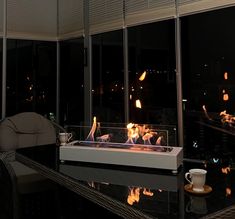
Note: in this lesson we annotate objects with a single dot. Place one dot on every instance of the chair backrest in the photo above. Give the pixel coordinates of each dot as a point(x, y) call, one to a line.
point(25, 130)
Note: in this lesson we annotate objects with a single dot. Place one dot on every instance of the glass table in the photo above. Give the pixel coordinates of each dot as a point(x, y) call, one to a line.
point(137, 192)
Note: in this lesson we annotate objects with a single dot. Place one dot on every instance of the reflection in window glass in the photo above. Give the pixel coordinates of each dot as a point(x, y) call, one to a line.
point(108, 77)
point(209, 82)
point(31, 77)
point(152, 85)
point(72, 81)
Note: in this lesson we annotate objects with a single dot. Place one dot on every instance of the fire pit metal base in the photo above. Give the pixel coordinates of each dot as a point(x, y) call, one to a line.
point(138, 156)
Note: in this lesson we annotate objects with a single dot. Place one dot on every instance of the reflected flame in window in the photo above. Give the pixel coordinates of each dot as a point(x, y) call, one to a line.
point(225, 75)
point(227, 118)
point(226, 170)
point(143, 75)
point(225, 97)
point(228, 191)
point(138, 104)
point(205, 111)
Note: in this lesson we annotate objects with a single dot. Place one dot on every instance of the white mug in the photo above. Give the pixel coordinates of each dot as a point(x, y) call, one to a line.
point(197, 178)
point(64, 137)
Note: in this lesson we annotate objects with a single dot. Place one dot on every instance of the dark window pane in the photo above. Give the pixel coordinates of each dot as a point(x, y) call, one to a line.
point(152, 50)
point(31, 76)
point(107, 77)
point(209, 82)
point(72, 81)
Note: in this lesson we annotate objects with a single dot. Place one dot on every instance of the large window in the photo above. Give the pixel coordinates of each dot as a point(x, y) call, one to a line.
point(152, 84)
point(72, 81)
point(209, 82)
point(108, 77)
point(31, 77)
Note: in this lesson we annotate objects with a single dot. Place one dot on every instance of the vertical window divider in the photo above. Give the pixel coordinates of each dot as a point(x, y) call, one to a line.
point(179, 77)
point(4, 59)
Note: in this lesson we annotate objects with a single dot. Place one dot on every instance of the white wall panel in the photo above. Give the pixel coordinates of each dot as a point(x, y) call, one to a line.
point(105, 15)
point(71, 21)
point(1, 18)
point(142, 11)
point(32, 19)
point(194, 6)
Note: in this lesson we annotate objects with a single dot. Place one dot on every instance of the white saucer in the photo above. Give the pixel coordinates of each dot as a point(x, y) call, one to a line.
point(189, 188)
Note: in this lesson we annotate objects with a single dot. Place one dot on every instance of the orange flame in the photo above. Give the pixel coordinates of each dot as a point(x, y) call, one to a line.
point(143, 129)
point(133, 133)
point(104, 138)
point(147, 138)
point(136, 131)
point(159, 140)
point(90, 136)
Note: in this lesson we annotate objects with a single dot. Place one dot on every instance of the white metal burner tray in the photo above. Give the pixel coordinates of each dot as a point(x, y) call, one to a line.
point(160, 157)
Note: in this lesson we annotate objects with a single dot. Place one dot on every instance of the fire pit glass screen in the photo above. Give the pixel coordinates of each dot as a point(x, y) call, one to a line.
point(144, 137)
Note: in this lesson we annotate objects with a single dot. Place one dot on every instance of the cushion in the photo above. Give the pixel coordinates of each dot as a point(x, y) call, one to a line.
point(26, 130)
point(28, 122)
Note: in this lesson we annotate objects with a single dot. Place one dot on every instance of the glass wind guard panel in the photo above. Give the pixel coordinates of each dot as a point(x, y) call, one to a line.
point(140, 136)
point(137, 145)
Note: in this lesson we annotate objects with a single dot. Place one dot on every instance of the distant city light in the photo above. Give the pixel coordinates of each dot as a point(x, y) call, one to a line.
point(215, 160)
point(195, 144)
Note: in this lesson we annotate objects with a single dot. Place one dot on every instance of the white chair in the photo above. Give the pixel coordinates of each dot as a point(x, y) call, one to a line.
point(27, 129)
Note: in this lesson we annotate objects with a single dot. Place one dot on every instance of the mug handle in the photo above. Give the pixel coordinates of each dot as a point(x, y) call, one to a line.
point(70, 135)
point(188, 177)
